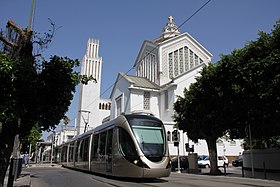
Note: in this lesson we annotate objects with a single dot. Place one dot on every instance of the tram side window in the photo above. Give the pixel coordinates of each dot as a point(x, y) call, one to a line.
point(94, 147)
point(71, 152)
point(85, 149)
point(81, 150)
point(64, 154)
point(109, 142)
point(127, 146)
point(102, 144)
point(77, 150)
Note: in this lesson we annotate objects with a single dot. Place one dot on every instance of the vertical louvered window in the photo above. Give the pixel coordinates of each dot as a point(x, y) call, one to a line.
point(186, 53)
point(176, 71)
point(181, 63)
point(170, 61)
point(200, 61)
point(196, 59)
point(146, 100)
point(191, 60)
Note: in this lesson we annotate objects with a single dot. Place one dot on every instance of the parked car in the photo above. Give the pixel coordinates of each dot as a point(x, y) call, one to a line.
point(201, 157)
point(184, 163)
point(237, 162)
point(222, 161)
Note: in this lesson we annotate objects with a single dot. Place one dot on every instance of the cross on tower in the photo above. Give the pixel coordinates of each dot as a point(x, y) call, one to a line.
point(170, 19)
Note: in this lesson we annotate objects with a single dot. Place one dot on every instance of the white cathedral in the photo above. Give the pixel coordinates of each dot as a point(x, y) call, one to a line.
point(164, 67)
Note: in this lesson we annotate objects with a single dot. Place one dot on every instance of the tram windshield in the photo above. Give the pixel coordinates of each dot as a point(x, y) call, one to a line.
point(150, 136)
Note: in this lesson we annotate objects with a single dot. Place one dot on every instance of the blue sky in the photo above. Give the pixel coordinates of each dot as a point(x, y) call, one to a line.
point(122, 26)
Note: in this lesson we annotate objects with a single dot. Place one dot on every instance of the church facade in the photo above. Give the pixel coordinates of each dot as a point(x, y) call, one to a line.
point(164, 68)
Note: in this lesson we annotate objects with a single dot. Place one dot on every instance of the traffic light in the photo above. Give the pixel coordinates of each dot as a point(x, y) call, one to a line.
point(175, 136)
point(188, 148)
point(192, 148)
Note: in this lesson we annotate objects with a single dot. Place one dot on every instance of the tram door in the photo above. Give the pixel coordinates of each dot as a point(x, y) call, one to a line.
point(109, 151)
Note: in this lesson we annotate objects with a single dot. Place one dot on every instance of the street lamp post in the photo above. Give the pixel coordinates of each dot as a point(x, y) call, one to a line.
point(178, 149)
point(252, 161)
point(52, 147)
point(176, 139)
point(86, 120)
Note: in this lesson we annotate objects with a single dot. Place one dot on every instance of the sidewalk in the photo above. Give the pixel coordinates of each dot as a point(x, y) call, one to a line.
point(23, 180)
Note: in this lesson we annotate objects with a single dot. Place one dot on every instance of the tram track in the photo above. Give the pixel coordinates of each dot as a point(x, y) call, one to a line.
point(122, 182)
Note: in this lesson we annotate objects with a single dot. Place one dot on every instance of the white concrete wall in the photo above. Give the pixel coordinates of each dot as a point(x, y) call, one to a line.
point(186, 80)
point(120, 90)
point(136, 100)
point(90, 102)
point(154, 103)
point(227, 148)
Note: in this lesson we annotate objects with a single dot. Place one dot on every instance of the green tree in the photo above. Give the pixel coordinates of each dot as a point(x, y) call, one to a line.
point(203, 112)
point(241, 89)
point(33, 92)
point(33, 137)
point(257, 82)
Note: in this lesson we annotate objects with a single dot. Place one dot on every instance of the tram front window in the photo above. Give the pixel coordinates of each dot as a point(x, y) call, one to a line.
point(127, 147)
point(150, 137)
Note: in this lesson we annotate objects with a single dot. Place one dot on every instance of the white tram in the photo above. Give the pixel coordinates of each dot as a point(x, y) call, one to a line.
point(132, 145)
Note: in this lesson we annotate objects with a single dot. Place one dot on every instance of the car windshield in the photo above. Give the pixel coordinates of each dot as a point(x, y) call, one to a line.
point(201, 157)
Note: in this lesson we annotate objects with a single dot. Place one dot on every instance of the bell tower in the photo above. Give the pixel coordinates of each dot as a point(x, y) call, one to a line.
point(88, 113)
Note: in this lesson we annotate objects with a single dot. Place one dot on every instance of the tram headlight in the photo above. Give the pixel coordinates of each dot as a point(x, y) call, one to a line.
point(140, 163)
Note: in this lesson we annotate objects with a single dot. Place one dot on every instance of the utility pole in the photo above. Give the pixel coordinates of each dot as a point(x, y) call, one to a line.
point(31, 16)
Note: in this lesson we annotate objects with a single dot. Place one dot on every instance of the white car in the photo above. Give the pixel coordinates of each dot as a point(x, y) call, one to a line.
point(222, 161)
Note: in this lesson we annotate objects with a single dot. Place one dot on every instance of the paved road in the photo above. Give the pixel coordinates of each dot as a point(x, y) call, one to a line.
point(62, 177)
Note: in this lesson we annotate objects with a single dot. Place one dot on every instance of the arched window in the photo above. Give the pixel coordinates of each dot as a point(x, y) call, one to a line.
point(220, 142)
point(106, 106)
point(232, 143)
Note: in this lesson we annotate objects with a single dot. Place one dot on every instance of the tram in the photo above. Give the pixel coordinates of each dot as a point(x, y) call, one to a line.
point(131, 145)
